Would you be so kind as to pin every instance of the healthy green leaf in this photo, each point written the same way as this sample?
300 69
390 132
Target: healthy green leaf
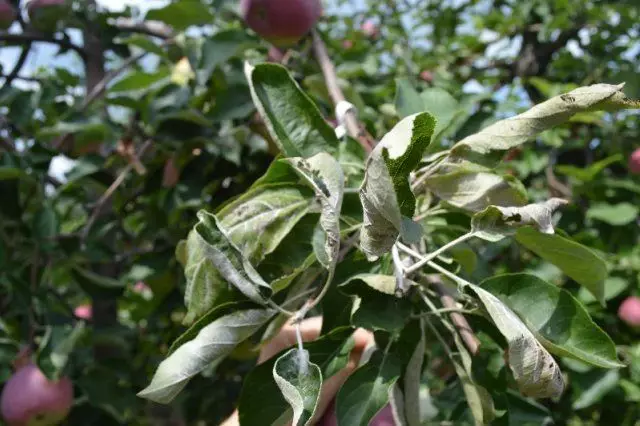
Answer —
614 214
182 14
367 390
534 369
412 379
212 343
300 382
506 134
323 174
575 260
558 320
475 190
385 193
293 120
587 174
597 387
408 100
495 222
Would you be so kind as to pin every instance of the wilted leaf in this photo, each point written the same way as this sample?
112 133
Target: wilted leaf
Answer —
475 190
558 320
506 134
366 391
212 263
213 342
323 173
534 369
383 283
495 222
385 193
261 218
577 261
293 120
300 382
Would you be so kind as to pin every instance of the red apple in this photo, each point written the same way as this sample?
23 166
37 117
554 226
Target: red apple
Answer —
84 312
281 22
370 29
46 15
30 399
629 311
347 44
427 76
634 162
7 14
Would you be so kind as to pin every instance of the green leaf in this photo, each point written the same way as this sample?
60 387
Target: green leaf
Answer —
46 226
614 214
90 131
408 100
212 262
212 343
613 287
594 388
293 120
261 218
300 382
385 193
577 261
324 175
221 47
587 174
8 173
182 14
261 402
367 390
535 371
558 320
475 190
136 81
495 222
412 380
506 134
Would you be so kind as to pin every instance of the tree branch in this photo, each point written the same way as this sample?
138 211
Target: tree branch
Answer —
331 80
152 28
33 36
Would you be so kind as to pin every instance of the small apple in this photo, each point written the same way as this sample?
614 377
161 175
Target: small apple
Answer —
629 311
30 398
280 22
7 14
370 29
427 76
347 44
84 312
46 15
634 162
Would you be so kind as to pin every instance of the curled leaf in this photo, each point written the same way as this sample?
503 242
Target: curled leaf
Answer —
506 134
495 222
385 193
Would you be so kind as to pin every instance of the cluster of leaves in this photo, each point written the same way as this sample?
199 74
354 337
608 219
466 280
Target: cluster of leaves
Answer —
274 232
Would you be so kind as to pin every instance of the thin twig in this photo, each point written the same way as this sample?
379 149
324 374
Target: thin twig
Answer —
109 192
32 36
19 64
425 259
152 28
331 80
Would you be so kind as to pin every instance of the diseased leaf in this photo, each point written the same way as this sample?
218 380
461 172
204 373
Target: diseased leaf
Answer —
534 369
383 283
300 382
475 190
323 173
366 391
260 219
385 193
213 262
506 134
558 320
330 352
212 343
495 222
293 120
577 261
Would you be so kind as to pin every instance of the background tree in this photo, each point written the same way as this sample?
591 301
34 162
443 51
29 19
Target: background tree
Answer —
160 123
